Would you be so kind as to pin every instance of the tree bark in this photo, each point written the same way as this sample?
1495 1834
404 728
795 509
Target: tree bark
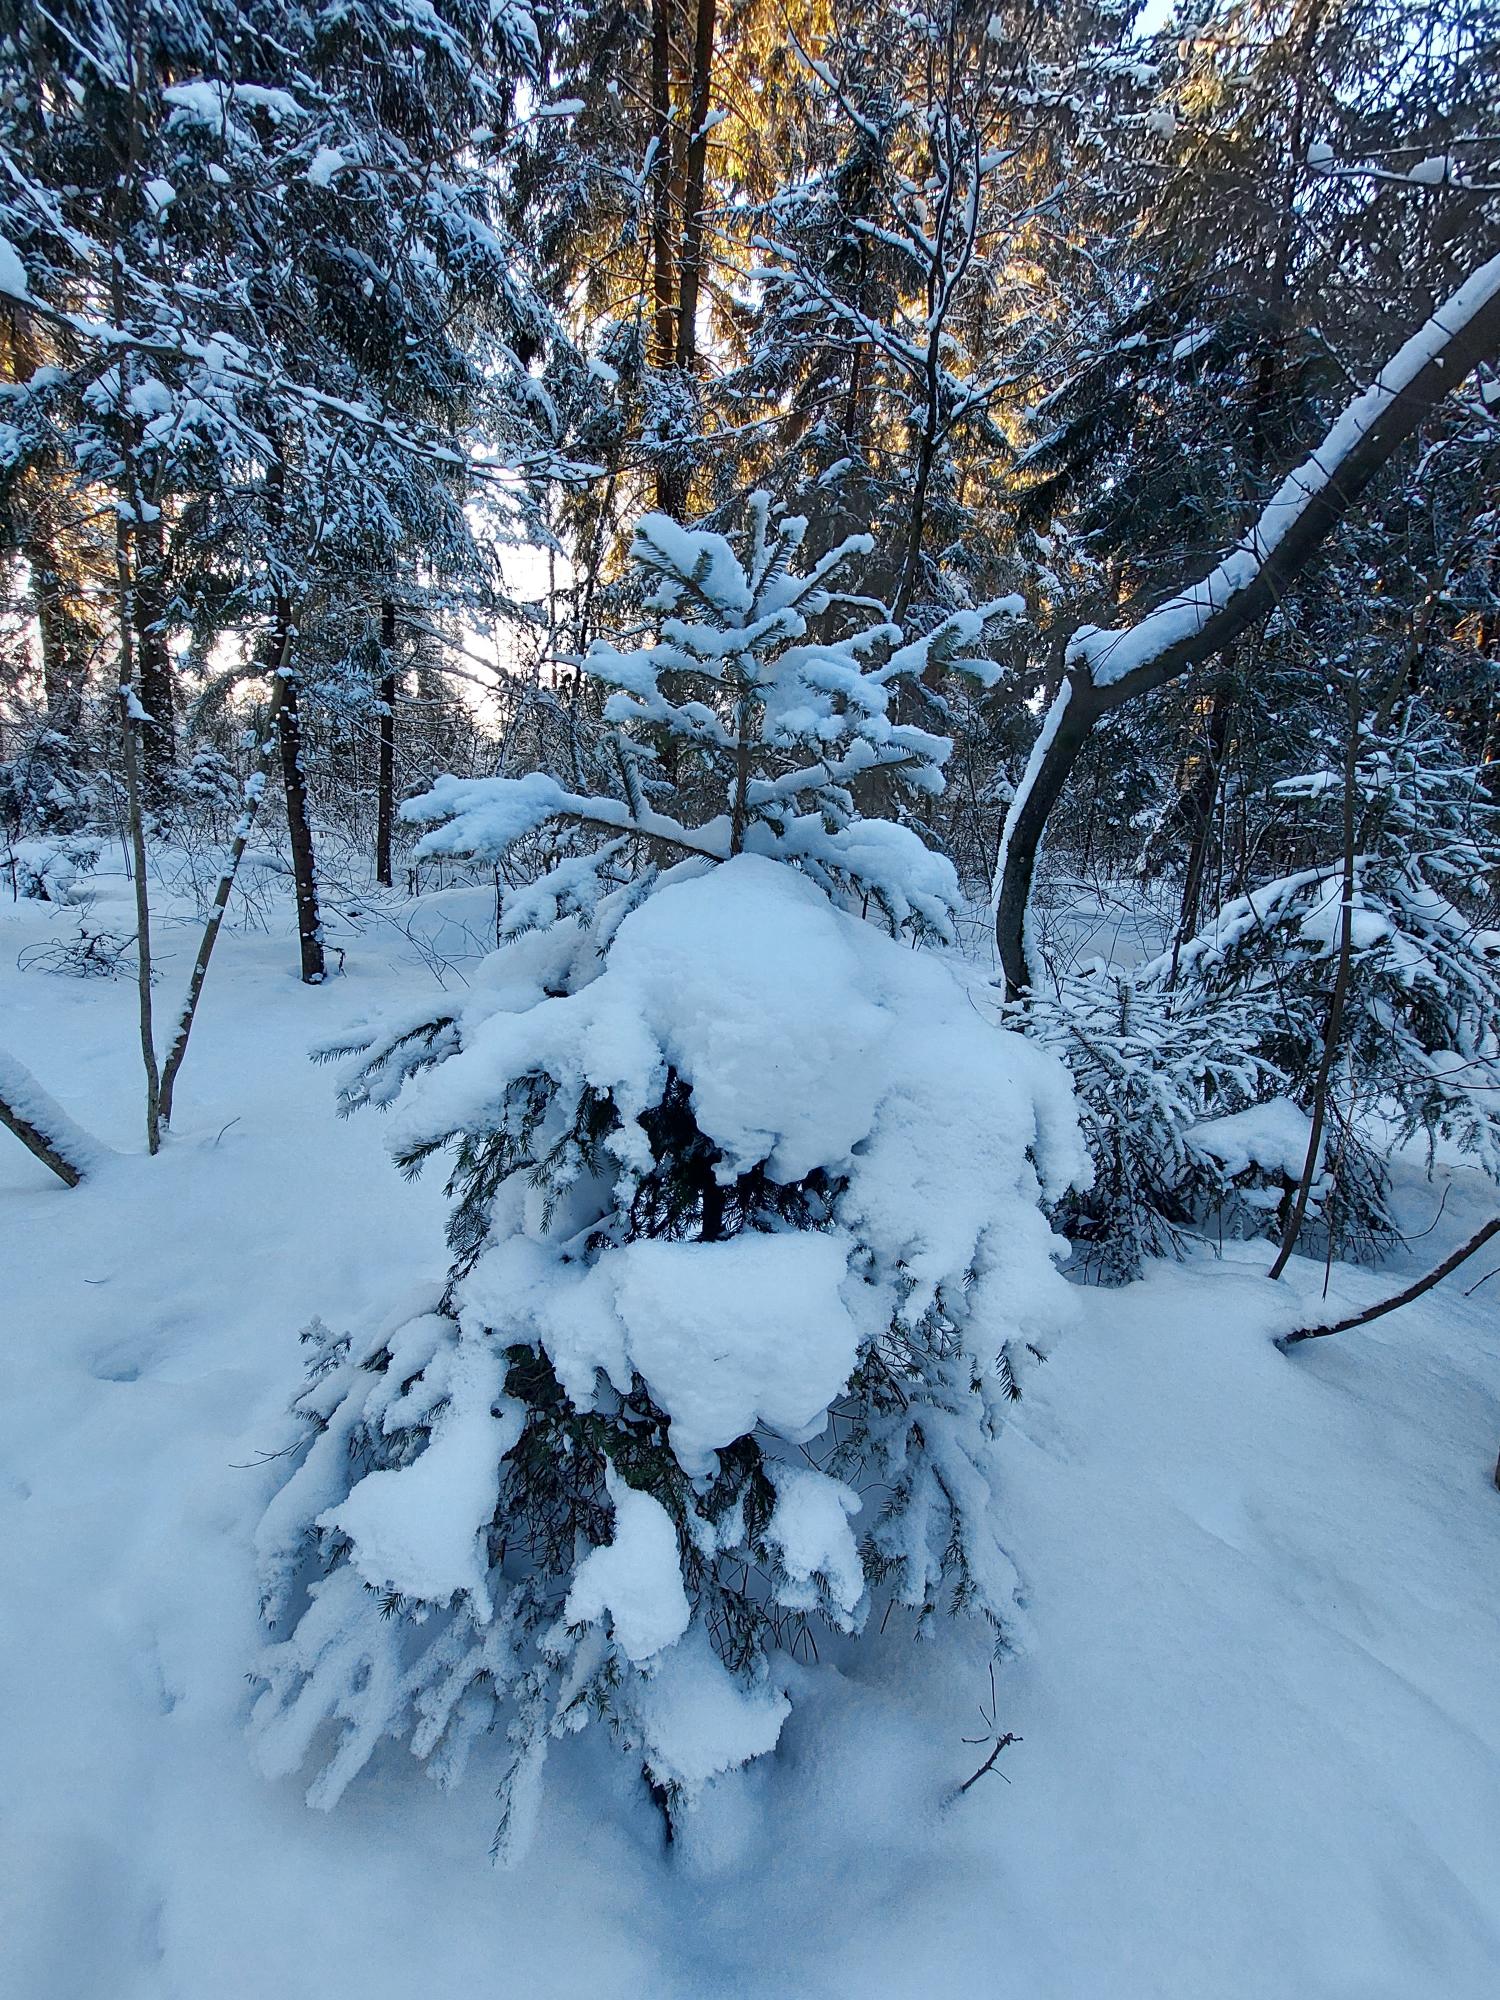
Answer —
1444 362
1333 1027
1196 805
158 734
695 185
63 643
298 823
130 745
385 798
661 181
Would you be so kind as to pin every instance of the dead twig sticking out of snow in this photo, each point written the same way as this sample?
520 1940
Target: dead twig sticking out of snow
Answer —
999 1743
1414 1291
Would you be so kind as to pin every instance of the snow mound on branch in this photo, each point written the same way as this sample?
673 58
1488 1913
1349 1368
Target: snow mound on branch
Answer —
635 1579
13 280
810 1526
790 1021
725 1335
809 1041
728 1335
419 1530
699 1721
1273 1136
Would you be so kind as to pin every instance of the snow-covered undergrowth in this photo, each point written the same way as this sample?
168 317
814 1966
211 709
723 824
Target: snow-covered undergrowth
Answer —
748 1234
758 1178
1257 1704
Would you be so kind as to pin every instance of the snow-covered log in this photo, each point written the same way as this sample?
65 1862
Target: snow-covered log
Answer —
42 1126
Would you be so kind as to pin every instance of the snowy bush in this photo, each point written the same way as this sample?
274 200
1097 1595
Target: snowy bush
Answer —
748 1238
1152 1081
1196 1073
1418 1054
48 870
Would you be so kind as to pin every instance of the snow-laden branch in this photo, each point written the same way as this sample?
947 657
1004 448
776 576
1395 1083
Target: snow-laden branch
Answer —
1109 656
1104 669
483 818
226 360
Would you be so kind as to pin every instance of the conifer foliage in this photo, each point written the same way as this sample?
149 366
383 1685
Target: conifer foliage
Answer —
748 1236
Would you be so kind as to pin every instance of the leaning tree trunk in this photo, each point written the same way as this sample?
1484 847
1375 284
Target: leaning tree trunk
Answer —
42 1126
255 785
1210 615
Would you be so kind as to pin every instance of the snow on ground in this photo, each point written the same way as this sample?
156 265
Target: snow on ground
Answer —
1259 1702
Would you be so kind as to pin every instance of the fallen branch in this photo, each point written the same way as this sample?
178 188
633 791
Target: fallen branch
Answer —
42 1126
1423 1284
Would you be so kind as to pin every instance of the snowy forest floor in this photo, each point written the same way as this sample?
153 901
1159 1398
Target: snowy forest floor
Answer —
1258 1696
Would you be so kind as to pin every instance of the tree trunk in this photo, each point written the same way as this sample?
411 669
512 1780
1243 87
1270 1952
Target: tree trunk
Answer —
254 787
385 798
696 182
130 741
911 560
158 735
1414 1291
64 653
1333 1026
661 181
299 826
1436 361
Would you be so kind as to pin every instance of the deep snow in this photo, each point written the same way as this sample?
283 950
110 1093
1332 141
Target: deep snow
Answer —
1259 1697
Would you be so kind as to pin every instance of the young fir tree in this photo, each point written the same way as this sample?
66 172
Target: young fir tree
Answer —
747 1233
1416 1037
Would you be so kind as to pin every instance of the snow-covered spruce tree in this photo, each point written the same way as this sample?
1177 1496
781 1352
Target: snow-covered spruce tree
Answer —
748 1235
1418 1036
1166 1092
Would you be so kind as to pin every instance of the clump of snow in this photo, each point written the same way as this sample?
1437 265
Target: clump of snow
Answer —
324 164
635 1580
728 1335
809 1525
1273 1136
699 1721
13 279
419 1529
